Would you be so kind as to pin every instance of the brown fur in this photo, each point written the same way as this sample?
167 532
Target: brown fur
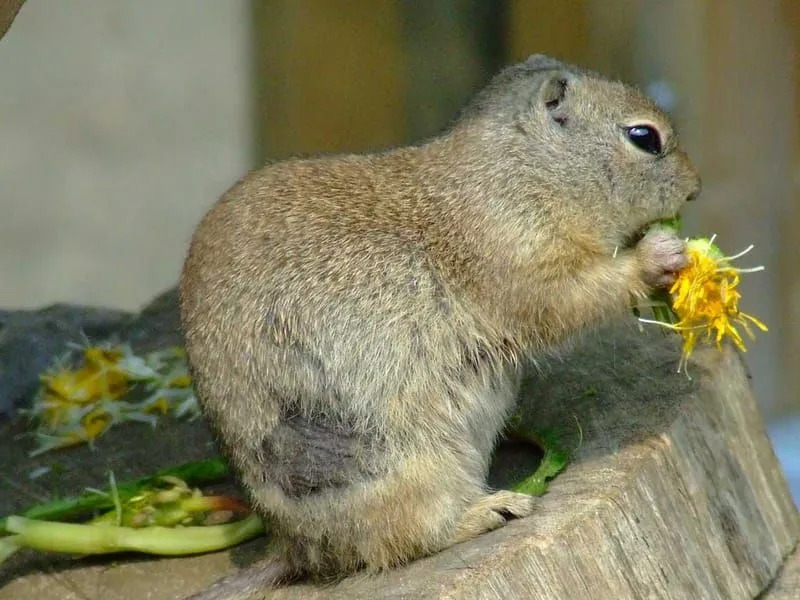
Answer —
356 324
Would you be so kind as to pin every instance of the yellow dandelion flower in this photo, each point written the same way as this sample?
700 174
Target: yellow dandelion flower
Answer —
95 423
180 381
91 389
99 377
68 386
159 405
103 366
705 299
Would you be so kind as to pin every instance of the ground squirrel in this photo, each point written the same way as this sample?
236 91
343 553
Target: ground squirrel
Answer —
356 324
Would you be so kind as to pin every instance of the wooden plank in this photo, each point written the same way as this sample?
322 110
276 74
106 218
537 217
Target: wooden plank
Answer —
584 32
452 48
328 76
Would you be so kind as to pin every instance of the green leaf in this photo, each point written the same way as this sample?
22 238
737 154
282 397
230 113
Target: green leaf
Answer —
555 460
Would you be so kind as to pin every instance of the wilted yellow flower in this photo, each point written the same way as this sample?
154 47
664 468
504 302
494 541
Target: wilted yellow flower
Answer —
82 397
180 381
95 422
706 301
101 376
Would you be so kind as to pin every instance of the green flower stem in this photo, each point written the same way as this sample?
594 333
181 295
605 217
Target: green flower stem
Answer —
194 473
93 539
554 460
8 545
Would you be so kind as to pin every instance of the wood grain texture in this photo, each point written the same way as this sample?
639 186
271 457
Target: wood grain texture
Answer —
674 493
326 77
787 585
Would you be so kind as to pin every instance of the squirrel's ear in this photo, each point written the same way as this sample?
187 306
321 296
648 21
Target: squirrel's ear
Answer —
553 97
540 62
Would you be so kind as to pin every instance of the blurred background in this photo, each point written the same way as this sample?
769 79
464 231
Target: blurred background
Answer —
121 122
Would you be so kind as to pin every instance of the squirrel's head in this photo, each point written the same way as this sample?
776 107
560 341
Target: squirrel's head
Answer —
575 137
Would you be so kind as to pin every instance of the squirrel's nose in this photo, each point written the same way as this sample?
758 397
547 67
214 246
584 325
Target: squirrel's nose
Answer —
695 192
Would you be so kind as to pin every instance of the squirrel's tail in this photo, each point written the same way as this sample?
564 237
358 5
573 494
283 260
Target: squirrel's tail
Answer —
263 575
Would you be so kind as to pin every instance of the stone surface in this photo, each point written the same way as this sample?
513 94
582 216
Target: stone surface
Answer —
674 491
31 339
156 326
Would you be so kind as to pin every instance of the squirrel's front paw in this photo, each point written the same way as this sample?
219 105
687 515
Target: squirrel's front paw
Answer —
661 255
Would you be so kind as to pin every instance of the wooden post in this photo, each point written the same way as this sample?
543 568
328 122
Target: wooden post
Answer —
326 76
333 77
787 584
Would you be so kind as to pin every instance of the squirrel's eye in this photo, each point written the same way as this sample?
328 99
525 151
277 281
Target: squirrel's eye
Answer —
645 138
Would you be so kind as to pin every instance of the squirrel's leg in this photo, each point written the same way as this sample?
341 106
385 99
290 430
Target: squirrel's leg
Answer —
490 512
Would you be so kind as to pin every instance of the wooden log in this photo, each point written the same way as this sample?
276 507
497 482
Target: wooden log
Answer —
674 493
787 584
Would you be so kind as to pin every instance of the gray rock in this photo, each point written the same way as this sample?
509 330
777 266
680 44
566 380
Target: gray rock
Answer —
156 326
31 339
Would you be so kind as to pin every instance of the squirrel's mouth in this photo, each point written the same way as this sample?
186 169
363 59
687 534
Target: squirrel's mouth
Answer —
630 240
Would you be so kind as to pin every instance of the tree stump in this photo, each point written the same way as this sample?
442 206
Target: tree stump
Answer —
787 584
673 492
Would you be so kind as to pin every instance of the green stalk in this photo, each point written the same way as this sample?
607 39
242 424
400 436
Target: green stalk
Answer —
93 539
194 473
8 545
553 462
554 459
